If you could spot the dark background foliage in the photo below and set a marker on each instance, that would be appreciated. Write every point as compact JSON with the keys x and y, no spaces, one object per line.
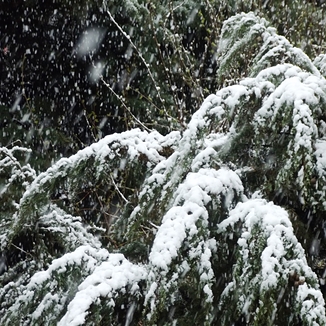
{"x":49,"y":101}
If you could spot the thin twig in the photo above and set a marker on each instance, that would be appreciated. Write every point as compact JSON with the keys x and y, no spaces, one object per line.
{"x":178,"y":6}
{"x":22,"y":250}
{"x":118,"y":190}
{"x":140,"y":55}
{"x":165,"y":69}
{"x":124,"y":105}
{"x":89,"y":125}
{"x":153,"y":225}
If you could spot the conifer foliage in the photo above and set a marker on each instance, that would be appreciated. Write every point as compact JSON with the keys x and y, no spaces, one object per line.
{"x":197,"y":227}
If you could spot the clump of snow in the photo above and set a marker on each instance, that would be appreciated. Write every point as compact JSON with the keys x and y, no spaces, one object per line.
{"x":191,"y":199}
{"x":268,"y":252}
{"x":135,"y":141}
{"x":18,"y":172}
{"x":74,"y":232}
{"x":85,"y":257}
{"x":116,"y":275}
{"x":196,"y":149}
{"x":291,"y":112}
{"x":16,"y":177}
{"x":266,"y":49}
{"x":185,"y":227}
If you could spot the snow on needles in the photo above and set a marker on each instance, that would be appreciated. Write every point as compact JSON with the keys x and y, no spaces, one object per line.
{"x":266,"y":231}
{"x":135,"y":141}
{"x":106,"y":154}
{"x":112,"y":276}
{"x":86,"y":257}
{"x":271,"y":220}
{"x":187,"y":196}
{"x":181,"y":221}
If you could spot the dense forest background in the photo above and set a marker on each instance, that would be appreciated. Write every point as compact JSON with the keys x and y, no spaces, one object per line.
{"x":162,"y":162}
{"x":52,"y":96}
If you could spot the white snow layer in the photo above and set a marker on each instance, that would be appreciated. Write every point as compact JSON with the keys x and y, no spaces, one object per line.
{"x":267,"y":225}
{"x":135,"y":141}
{"x":115,"y":275}
{"x":181,"y":221}
{"x":86,"y":257}
{"x":291,"y":111}
{"x":185,"y":225}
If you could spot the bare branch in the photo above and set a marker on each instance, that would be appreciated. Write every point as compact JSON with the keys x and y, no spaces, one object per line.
{"x":118,"y":190}
{"x":140,"y":55}
{"x":124,"y":105}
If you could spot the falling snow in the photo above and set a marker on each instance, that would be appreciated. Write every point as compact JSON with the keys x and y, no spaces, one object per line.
{"x":155,"y":163}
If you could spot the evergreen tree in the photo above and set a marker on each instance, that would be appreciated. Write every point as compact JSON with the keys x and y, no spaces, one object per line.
{"x":214,"y":225}
{"x":158,"y":62}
